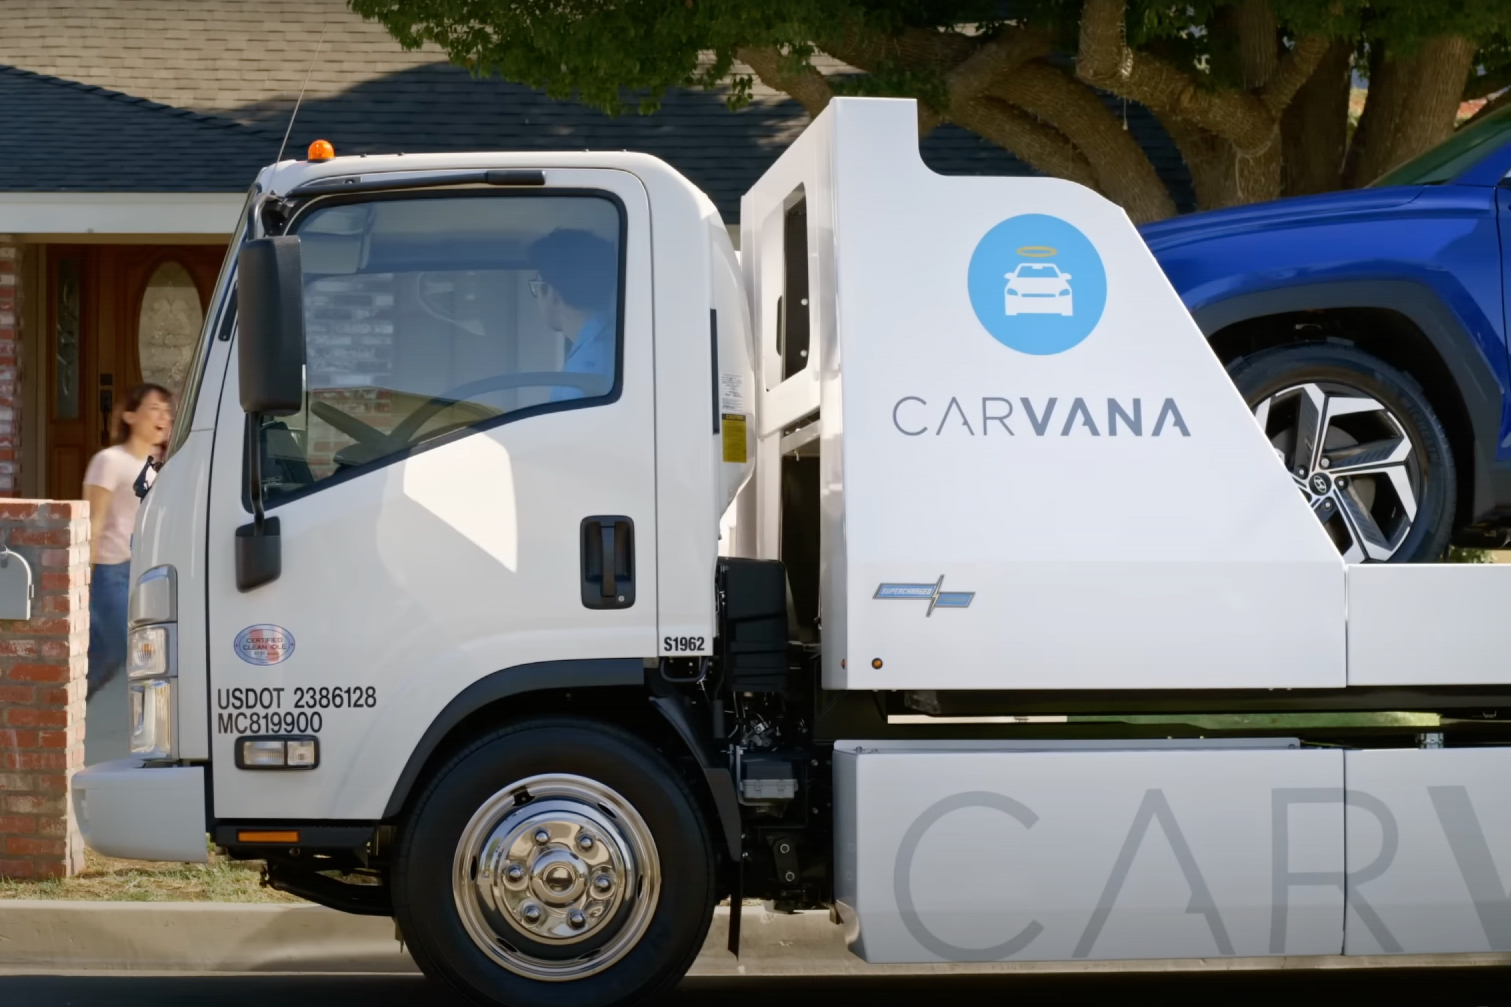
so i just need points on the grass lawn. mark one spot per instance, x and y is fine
(1268, 721)
(108, 880)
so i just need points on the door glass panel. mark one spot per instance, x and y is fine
(426, 317)
(168, 326)
(66, 340)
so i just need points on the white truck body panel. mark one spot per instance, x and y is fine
(1152, 850)
(1161, 548)
(1114, 851)
(1429, 850)
(1427, 624)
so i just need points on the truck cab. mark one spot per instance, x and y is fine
(531, 568)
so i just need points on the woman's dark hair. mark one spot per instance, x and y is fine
(132, 403)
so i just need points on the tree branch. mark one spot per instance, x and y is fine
(1123, 171)
(1106, 62)
(807, 85)
(1257, 31)
(1042, 147)
(975, 74)
(1294, 70)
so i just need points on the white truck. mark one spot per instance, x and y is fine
(533, 569)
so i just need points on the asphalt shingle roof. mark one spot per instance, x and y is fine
(194, 95)
(63, 136)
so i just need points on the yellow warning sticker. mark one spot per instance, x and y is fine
(734, 438)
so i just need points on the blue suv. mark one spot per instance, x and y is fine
(1367, 330)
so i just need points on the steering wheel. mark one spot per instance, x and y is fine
(373, 443)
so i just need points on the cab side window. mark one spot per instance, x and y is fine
(427, 317)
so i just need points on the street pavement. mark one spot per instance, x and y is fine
(1461, 987)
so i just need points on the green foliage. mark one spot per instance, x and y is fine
(598, 49)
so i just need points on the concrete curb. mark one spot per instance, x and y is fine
(169, 937)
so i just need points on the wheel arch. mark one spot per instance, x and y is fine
(610, 689)
(1403, 323)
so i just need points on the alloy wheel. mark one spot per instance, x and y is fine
(1353, 462)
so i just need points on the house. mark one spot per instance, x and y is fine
(134, 127)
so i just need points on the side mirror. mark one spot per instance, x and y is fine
(270, 326)
(270, 355)
(1064, 276)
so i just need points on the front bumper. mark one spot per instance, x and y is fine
(128, 809)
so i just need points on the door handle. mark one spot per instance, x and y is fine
(608, 561)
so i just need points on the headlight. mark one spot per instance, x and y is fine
(147, 652)
(152, 719)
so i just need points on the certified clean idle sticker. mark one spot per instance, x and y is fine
(264, 645)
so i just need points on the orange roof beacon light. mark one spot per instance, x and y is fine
(321, 150)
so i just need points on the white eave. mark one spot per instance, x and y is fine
(105, 213)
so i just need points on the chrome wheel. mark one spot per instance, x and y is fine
(1353, 462)
(556, 877)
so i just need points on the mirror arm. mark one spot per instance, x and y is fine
(254, 471)
(259, 551)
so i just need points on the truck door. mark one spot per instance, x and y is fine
(468, 489)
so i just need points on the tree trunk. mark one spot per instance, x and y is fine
(1258, 43)
(1221, 174)
(1229, 137)
(1042, 147)
(1005, 92)
(1123, 171)
(1314, 128)
(1412, 105)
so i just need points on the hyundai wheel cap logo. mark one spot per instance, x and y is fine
(1037, 284)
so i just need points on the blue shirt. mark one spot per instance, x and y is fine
(592, 352)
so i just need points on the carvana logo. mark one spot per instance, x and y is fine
(1037, 284)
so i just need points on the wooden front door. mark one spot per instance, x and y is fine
(95, 349)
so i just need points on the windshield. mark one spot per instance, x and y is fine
(214, 318)
(429, 315)
(1453, 156)
(1038, 272)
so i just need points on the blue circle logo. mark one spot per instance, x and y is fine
(1037, 284)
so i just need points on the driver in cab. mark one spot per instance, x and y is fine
(576, 292)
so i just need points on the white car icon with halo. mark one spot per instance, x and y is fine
(1038, 288)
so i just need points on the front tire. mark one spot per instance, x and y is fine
(555, 862)
(1362, 444)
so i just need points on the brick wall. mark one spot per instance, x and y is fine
(10, 350)
(43, 663)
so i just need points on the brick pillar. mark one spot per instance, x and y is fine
(10, 364)
(43, 665)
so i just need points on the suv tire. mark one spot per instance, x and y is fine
(1362, 444)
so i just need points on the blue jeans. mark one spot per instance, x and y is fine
(108, 591)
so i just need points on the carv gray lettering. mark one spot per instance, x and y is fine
(1283, 880)
(902, 884)
(1155, 806)
(1466, 838)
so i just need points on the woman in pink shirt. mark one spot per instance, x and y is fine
(109, 486)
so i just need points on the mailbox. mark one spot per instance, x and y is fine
(15, 585)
